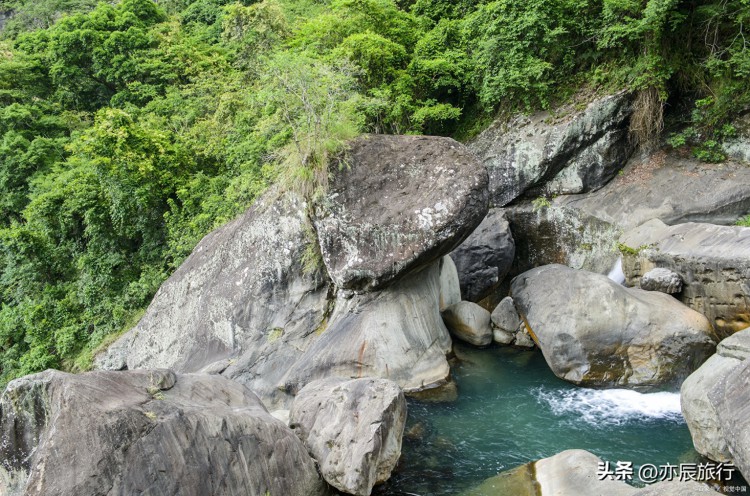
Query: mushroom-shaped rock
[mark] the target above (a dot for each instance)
(396, 204)
(353, 428)
(595, 332)
(148, 432)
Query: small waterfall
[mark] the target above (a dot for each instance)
(616, 273)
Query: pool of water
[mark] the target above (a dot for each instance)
(511, 410)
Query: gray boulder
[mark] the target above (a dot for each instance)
(353, 428)
(450, 289)
(595, 332)
(575, 473)
(485, 257)
(661, 279)
(522, 338)
(730, 398)
(708, 438)
(505, 316)
(713, 262)
(148, 432)
(396, 204)
(242, 295)
(571, 152)
(396, 333)
(469, 322)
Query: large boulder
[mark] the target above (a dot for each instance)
(574, 473)
(395, 204)
(484, 258)
(147, 432)
(353, 428)
(469, 322)
(595, 332)
(708, 437)
(730, 398)
(572, 151)
(712, 261)
(241, 293)
(396, 333)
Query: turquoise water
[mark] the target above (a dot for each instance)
(511, 410)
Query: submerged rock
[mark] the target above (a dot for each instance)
(594, 332)
(712, 261)
(396, 204)
(555, 154)
(353, 428)
(148, 432)
(469, 322)
(484, 258)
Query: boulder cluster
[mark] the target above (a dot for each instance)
(277, 359)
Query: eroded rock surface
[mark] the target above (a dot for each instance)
(595, 332)
(396, 204)
(148, 432)
(730, 398)
(712, 261)
(556, 154)
(353, 428)
(469, 322)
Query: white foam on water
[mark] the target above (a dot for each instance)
(616, 273)
(611, 406)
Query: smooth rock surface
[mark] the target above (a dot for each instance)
(353, 428)
(148, 432)
(505, 316)
(450, 288)
(554, 154)
(661, 279)
(595, 332)
(469, 322)
(396, 333)
(242, 295)
(713, 262)
(396, 204)
(485, 257)
(730, 397)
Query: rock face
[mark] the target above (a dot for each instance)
(730, 398)
(506, 322)
(148, 432)
(713, 262)
(574, 473)
(545, 153)
(595, 332)
(469, 322)
(450, 289)
(353, 428)
(242, 292)
(485, 257)
(395, 204)
(660, 279)
(396, 333)
(708, 437)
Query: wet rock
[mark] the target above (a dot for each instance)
(148, 431)
(485, 257)
(730, 398)
(396, 204)
(353, 428)
(661, 279)
(555, 154)
(713, 262)
(469, 322)
(450, 290)
(595, 332)
(396, 333)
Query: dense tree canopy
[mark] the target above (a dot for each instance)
(130, 129)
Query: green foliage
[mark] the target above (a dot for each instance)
(743, 222)
(541, 203)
